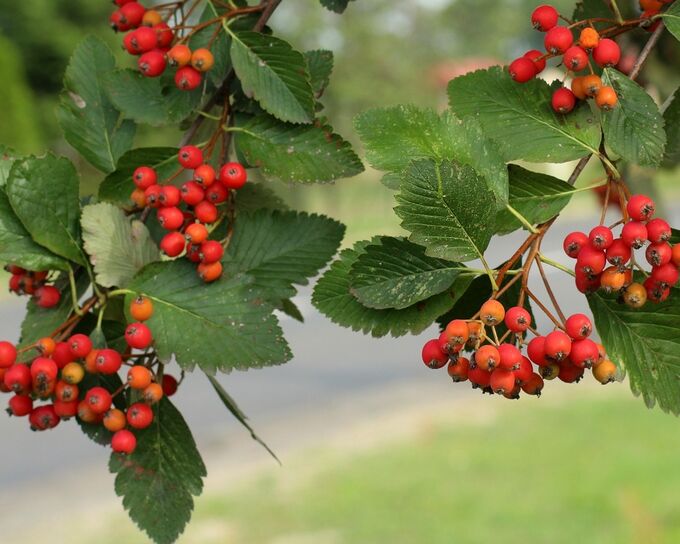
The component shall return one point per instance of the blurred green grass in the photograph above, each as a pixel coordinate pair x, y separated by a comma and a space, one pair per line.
595, 467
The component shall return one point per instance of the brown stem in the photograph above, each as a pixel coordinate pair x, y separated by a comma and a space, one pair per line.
646, 51
551, 294
545, 310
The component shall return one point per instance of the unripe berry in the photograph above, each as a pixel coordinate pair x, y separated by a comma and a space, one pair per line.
676, 255
640, 208
141, 309
563, 100
575, 58
170, 384
8, 354
20, 405
114, 420
47, 296
210, 272
139, 198
433, 356
550, 372
43, 418
544, 18
153, 393
517, 319
139, 416
202, 59
658, 230
634, 234
151, 18
557, 345
605, 372
46, 346
458, 369
607, 53
85, 413
205, 175
98, 399
206, 212
457, 332
522, 70
187, 78
606, 98
73, 373
179, 56
170, 218
192, 193
619, 253
534, 385
502, 381
589, 38
510, 357
196, 233
612, 279
538, 58
80, 345
233, 175
123, 442
635, 295
476, 334
558, 40
601, 237
578, 88
108, 361
139, 377
479, 377
536, 351
487, 357
574, 242
152, 63
138, 336
492, 312
592, 84
578, 326
659, 253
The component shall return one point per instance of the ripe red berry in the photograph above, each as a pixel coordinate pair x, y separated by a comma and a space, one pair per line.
433, 355
591, 261
152, 63
524, 371
205, 175
517, 319
640, 208
8, 354
141, 40
108, 361
164, 34
132, 13
170, 196
233, 175
206, 212
211, 251
558, 40
192, 193
170, 385
479, 377
578, 326
80, 345
144, 177
510, 357
118, 22
170, 218
66, 391
173, 244
544, 18
656, 292
43, 418
522, 69
502, 381
666, 275
18, 378
570, 373
557, 345
66, 409
20, 405
124, 442
601, 237
574, 242
43, 371
138, 336
217, 193
607, 53
584, 353
15, 283
139, 415
563, 100
536, 351
658, 230
659, 253
62, 354
619, 253
98, 399
575, 58
587, 283
153, 195
534, 385
634, 234
538, 58
190, 157
187, 78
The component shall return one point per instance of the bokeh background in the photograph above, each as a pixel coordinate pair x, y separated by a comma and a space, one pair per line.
375, 448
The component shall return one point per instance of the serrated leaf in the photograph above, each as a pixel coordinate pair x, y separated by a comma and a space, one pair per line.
590, 9
257, 196
634, 128
236, 326
118, 246
538, 197
150, 100
281, 249
297, 153
520, 118
646, 342
275, 75
672, 122
44, 194
158, 482
447, 208
395, 136
90, 122
320, 67
338, 6
671, 18
396, 273
118, 186
17, 246
332, 298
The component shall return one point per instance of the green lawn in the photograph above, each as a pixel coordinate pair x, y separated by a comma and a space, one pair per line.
589, 469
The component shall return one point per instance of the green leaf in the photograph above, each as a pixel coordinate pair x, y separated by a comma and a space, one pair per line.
395, 136
646, 342
44, 193
280, 249
17, 246
333, 298
236, 327
297, 153
288, 307
150, 100
396, 273
672, 19
257, 196
118, 186
7, 158
590, 9
447, 208
338, 6
320, 67
520, 117
90, 122
634, 128
274, 74
158, 482
231, 405
118, 247
538, 197
672, 121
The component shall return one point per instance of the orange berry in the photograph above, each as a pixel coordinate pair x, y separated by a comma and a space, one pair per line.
114, 420
635, 295
606, 98
605, 372
676, 255
152, 18
153, 393
46, 346
487, 357
612, 279
457, 332
139, 377
589, 38
492, 312
475, 333
210, 272
578, 89
592, 84
91, 362
141, 309
73, 373
179, 56
138, 196
202, 60
651, 5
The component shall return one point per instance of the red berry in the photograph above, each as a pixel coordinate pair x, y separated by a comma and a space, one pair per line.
142, 40
173, 244
640, 208
544, 18
152, 63
563, 100
607, 53
192, 193
153, 195
66, 409
43, 370
587, 283
433, 355
139, 415
538, 58
8, 354
43, 418
118, 22
656, 292
211, 251
536, 351
217, 193
502, 381
98, 399
575, 58
534, 385
558, 40
187, 78
666, 275
123, 441
619, 253
659, 253
194, 253
164, 34
169, 384
579, 326
524, 372
190, 157
170, 218
205, 175
522, 69
196, 233
108, 361
557, 345
517, 319
62, 354
80, 345
144, 177
479, 377
20, 405
132, 14
15, 283
574, 242
206, 212
138, 336
591, 261
18, 378
634, 234
170, 196
233, 175
570, 373
658, 230
601, 237
510, 357
584, 353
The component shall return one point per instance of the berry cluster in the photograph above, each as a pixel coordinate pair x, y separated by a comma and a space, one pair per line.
57, 377
606, 262
559, 42
35, 284
151, 39
189, 228
500, 367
